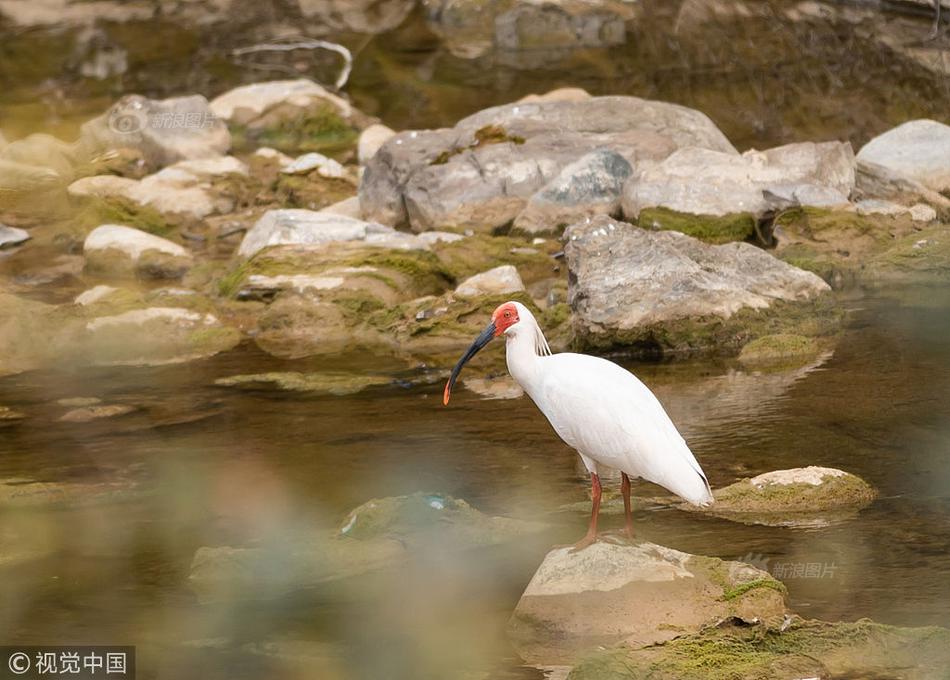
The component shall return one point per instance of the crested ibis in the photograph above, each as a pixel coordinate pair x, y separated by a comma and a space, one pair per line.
599, 409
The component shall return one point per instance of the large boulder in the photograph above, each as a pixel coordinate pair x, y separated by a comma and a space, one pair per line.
707, 182
918, 149
667, 292
165, 131
639, 594
481, 174
116, 250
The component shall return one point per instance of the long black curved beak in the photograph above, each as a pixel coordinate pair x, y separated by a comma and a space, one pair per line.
483, 339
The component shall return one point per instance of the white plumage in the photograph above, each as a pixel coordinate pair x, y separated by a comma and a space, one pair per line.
598, 408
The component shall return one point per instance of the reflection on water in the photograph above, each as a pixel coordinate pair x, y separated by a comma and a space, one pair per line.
105, 554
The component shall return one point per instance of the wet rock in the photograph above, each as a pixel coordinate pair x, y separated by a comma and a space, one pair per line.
799, 649
337, 384
480, 174
381, 533
22, 321
664, 291
8, 415
371, 139
781, 349
920, 257
185, 190
116, 250
472, 29
325, 167
708, 182
809, 496
877, 181
499, 387
308, 227
89, 413
591, 185
11, 236
639, 594
289, 115
165, 131
918, 149
22, 493
497, 281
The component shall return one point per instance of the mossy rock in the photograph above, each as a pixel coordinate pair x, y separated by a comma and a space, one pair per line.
480, 252
311, 191
92, 211
318, 127
919, 258
780, 350
709, 228
807, 497
803, 648
337, 384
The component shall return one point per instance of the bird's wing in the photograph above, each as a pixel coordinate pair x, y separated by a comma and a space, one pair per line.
606, 413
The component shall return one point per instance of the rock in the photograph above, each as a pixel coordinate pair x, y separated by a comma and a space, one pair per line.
8, 415
357, 16
473, 28
921, 257
289, 115
337, 384
497, 281
591, 185
94, 294
639, 594
877, 181
78, 402
800, 649
921, 212
325, 167
348, 207
371, 139
165, 131
23, 493
480, 174
500, 387
560, 94
709, 228
185, 190
307, 227
381, 533
810, 496
708, 182
90, 413
116, 250
779, 350
11, 236
664, 291
918, 149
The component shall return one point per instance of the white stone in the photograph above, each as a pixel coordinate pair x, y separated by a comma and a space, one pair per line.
247, 102
326, 167
12, 236
371, 139
497, 281
921, 212
812, 474
93, 295
918, 149
137, 317
132, 242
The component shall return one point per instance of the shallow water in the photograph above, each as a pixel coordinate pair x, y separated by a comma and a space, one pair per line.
262, 467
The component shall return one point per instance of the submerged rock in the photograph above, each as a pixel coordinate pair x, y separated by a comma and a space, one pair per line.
918, 149
337, 384
810, 496
8, 415
799, 649
481, 174
87, 414
381, 533
708, 182
664, 291
780, 349
165, 131
116, 250
639, 594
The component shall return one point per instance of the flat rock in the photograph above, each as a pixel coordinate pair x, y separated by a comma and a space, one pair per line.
337, 384
12, 236
917, 149
497, 281
708, 182
165, 131
309, 227
630, 286
639, 594
591, 185
480, 174
87, 414
116, 250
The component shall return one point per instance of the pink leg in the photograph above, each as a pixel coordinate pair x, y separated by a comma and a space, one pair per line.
591, 536
627, 512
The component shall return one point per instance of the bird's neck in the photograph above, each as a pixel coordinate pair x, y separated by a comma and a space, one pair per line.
523, 360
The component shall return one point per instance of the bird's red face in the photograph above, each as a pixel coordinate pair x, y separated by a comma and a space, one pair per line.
504, 318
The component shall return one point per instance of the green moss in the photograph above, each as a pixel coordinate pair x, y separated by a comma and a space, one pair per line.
478, 253
834, 492
743, 588
214, 340
311, 191
94, 211
781, 348
708, 228
318, 128
489, 134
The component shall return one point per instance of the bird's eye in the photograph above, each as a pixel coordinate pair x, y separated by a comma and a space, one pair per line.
507, 315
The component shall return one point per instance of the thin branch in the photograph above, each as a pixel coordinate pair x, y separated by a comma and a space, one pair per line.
306, 45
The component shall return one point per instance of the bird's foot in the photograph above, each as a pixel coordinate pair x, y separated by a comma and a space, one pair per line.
618, 537
585, 542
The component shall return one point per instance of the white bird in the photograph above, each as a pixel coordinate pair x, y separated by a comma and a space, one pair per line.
599, 409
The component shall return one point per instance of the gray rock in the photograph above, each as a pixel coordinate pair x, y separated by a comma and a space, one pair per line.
497, 281
12, 236
591, 185
639, 594
357, 16
480, 174
877, 181
308, 227
115, 250
706, 182
165, 131
918, 150
630, 286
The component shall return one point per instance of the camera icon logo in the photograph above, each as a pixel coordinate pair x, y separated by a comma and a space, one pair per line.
127, 118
